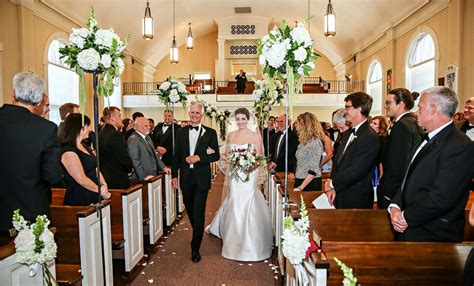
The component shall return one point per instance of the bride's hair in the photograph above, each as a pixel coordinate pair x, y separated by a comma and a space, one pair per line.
242, 110
309, 128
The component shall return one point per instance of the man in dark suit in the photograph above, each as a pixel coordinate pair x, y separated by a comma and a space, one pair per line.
115, 163
29, 153
404, 135
429, 206
277, 157
145, 162
350, 185
467, 125
163, 140
196, 147
268, 132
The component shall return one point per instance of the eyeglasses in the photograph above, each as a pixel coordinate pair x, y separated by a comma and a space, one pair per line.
388, 102
468, 107
348, 106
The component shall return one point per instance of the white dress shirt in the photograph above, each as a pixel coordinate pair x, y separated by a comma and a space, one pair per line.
193, 138
470, 132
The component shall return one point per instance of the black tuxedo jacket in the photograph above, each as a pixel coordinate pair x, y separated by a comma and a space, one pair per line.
463, 125
405, 135
115, 163
267, 137
29, 163
165, 140
279, 158
353, 170
207, 138
435, 192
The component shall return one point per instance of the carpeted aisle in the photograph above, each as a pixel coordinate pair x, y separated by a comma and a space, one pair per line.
172, 265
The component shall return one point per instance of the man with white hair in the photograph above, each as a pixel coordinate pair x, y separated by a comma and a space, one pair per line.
30, 154
429, 206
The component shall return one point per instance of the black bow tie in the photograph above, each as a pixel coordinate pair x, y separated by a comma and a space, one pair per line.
166, 124
426, 137
194, 127
469, 127
353, 130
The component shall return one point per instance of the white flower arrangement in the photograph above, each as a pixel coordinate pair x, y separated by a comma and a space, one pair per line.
172, 91
220, 116
97, 51
242, 161
34, 243
295, 238
265, 96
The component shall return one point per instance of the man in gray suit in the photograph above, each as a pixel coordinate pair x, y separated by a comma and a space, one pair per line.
140, 148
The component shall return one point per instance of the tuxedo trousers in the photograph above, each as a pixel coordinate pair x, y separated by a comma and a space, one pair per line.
195, 203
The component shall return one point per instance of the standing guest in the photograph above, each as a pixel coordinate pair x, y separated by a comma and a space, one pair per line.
458, 117
65, 110
277, 157
115, 163
196, 148
130, 131
184, 123
29, 153
309, 153
127, 125
405, 135
43, 108
328, 153
380, 126
151, 123
268, 132
429, 205
145, 162
163, 139
350, 185
342, 127
467, 125
101, 124
241, 79
79, 164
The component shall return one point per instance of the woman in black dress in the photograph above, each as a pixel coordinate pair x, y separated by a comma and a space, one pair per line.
241, 79
79, 164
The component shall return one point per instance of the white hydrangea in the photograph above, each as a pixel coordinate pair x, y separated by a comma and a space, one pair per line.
276, 55
105, 61
300, 70
301, 35
311, 65
300, 54
50, 248
295, 246
104, 38
165, 85
174, 96
88, 59
262, 60
121, 65
181, 88
78, 37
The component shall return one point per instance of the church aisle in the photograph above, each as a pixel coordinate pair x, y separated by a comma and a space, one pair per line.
172, 265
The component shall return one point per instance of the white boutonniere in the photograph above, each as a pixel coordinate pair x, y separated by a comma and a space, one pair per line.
203, 131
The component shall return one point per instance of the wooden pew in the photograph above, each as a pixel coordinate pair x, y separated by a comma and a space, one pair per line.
78, 240
169, 193
153, 209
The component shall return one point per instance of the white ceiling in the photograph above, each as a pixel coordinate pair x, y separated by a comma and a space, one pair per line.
359, 22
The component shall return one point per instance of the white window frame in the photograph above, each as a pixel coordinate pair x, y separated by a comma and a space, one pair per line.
411, 67
377, 98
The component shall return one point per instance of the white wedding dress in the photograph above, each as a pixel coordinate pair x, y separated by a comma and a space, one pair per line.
243, 222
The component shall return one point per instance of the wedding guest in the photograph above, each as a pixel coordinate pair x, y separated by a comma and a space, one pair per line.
65, 110
43, 108
341, 126
327, 155
163, 140
467, 125
268, 132
184, 123
29, 153
127, 125
130, 131
79, 164
241, 79
277, 156
468, 279
309, 153
380, 126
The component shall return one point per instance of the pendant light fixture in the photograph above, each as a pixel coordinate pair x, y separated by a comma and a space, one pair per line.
174, 57
189, 39
330, 21
147, 23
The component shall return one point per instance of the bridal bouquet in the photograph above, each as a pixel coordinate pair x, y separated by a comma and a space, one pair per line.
172, 91
244, 161
34, 244
265, 97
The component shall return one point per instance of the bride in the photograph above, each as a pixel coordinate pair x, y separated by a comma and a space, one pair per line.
243, 221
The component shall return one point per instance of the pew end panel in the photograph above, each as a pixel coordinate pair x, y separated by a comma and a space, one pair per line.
155, 208
16, 274
170, 201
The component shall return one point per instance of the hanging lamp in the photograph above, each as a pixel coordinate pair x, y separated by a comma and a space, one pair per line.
147, 23
330, 21
189, 39
174, 53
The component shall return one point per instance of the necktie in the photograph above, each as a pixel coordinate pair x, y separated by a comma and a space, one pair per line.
194, 127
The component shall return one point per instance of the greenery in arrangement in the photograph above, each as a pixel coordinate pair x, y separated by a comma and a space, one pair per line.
349, 278
265, 98
172, 91
286, 53
95, 50
35, 245
220, 116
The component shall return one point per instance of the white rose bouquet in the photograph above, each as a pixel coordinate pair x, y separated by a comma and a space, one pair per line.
265, 97
98, 51
287, 53
35, 244
172, 91
242, 161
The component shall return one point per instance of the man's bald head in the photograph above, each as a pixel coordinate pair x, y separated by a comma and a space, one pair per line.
142, 125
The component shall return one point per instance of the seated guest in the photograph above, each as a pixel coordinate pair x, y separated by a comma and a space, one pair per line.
29, 153
79, 164
146, 163
65, 110
429, 206
42, 109
115, 163
309, 152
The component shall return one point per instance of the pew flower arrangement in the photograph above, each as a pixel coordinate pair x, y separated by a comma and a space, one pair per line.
35, 244
265, 97
220, 116
349, 278
172, 91
287, 54
95, 50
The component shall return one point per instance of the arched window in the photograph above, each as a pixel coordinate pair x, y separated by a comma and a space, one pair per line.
63, 83
374, 86
420, 65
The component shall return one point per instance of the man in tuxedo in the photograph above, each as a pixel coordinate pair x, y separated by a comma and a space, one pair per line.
142, 152
115, 163
404, 135
429, 206
196, 147
29, 153
151, 124
163, 140
268, 132
467, 125
350, 185
277, 157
